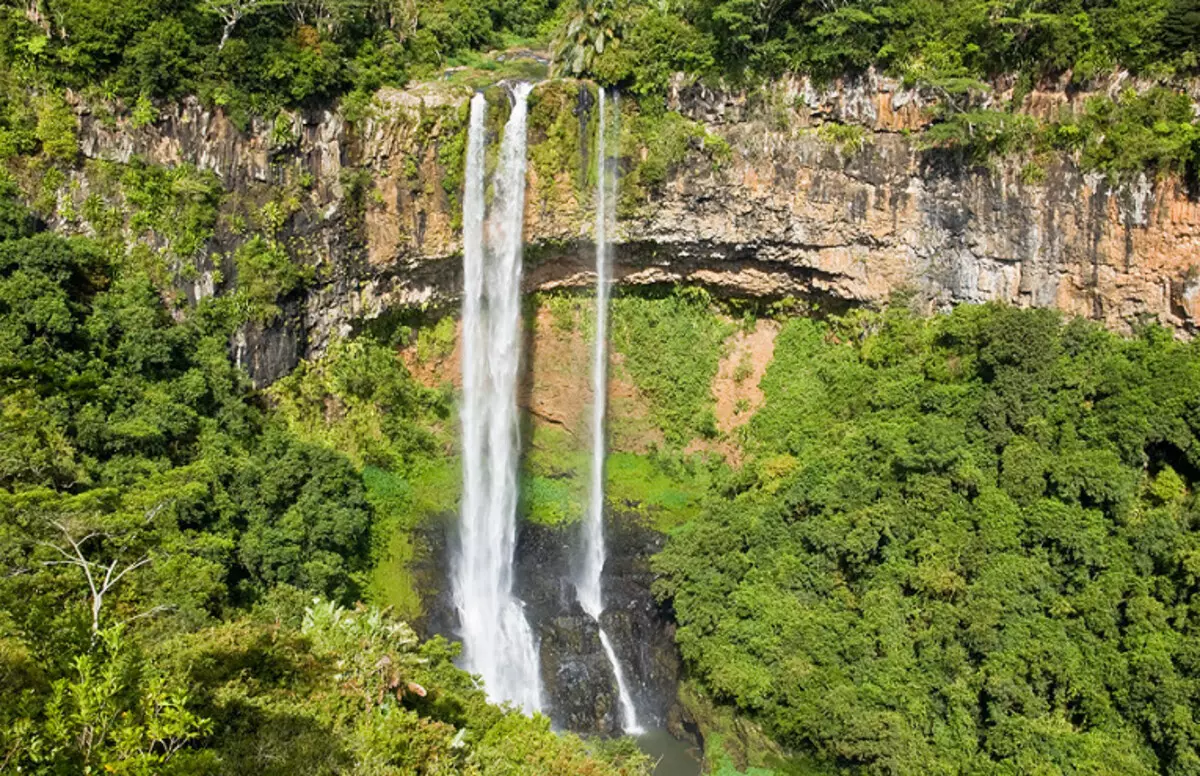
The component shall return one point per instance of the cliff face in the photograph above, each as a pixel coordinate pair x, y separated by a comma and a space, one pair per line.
781, 211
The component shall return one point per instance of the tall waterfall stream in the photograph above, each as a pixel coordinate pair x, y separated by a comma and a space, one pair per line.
498, 643
588, 586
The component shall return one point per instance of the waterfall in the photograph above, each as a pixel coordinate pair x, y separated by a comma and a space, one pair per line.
588, 587
498, 643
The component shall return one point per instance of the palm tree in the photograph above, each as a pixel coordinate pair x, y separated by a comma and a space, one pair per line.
595, 26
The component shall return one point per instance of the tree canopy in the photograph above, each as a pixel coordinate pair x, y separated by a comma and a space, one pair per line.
178, 558
255, 56
966, 545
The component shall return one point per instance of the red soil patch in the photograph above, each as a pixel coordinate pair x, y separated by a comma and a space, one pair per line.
556, 385
736, 388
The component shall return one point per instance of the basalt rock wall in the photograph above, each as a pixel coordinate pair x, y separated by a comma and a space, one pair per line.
759, 204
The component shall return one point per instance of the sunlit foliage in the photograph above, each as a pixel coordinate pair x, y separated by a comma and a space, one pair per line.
966, 545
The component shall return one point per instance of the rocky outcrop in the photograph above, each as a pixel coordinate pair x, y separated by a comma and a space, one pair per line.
784, 212
579, 691
577, 681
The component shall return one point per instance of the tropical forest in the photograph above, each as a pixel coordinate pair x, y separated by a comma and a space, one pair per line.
600, 387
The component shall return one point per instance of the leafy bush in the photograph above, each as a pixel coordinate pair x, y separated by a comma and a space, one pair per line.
1156, 132
982, 135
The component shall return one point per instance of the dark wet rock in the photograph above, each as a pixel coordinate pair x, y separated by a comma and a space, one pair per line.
576, 676
578, 685
269, 351
642, 631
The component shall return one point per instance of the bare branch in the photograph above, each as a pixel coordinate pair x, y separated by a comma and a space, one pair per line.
101, 578
150, 613
232, 12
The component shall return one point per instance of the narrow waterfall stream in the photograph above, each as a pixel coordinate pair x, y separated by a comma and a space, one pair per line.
498, 643
588, 587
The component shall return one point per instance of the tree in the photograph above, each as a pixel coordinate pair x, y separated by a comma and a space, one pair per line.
113, 716
594, 27
233, 11
100, 576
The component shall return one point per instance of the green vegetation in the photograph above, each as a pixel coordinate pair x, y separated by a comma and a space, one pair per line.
963, 545
257, 56
360, 401
555, 133
667, 489
849, 138
1153, 132
663, 488
672, 347
658, 141
175, 556
251, 57
942, 44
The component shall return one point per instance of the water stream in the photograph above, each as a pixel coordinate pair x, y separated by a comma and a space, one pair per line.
498, 643
671, 756
588, 586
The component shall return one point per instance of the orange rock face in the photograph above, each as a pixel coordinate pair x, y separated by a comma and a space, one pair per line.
785, 214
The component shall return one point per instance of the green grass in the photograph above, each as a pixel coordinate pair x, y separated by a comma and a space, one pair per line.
549, 501
669, 495
478, 70
401, 505
554, 477
666, 490
672, 347
436, 486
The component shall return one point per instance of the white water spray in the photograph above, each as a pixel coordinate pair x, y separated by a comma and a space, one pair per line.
497, 641
588, 587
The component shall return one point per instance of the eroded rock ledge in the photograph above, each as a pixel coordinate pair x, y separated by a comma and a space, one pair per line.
784, 213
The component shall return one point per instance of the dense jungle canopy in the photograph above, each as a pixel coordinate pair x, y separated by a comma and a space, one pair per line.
955, 543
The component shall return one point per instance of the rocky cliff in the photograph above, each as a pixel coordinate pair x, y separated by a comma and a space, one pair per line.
745, 193
746, 196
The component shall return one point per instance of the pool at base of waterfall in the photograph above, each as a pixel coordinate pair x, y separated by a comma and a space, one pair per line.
674, 757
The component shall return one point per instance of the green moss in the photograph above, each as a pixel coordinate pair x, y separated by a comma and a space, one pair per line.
450, 131
391, 581
555, 131
568, 311
657, 142
551, 501
554, 477
737, 746
668, 492
436, 484
673, 345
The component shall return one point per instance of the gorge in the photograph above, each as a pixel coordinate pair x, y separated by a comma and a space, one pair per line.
549, 387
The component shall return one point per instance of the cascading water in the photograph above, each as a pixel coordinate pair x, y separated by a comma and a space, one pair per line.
588, 587
497, 641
